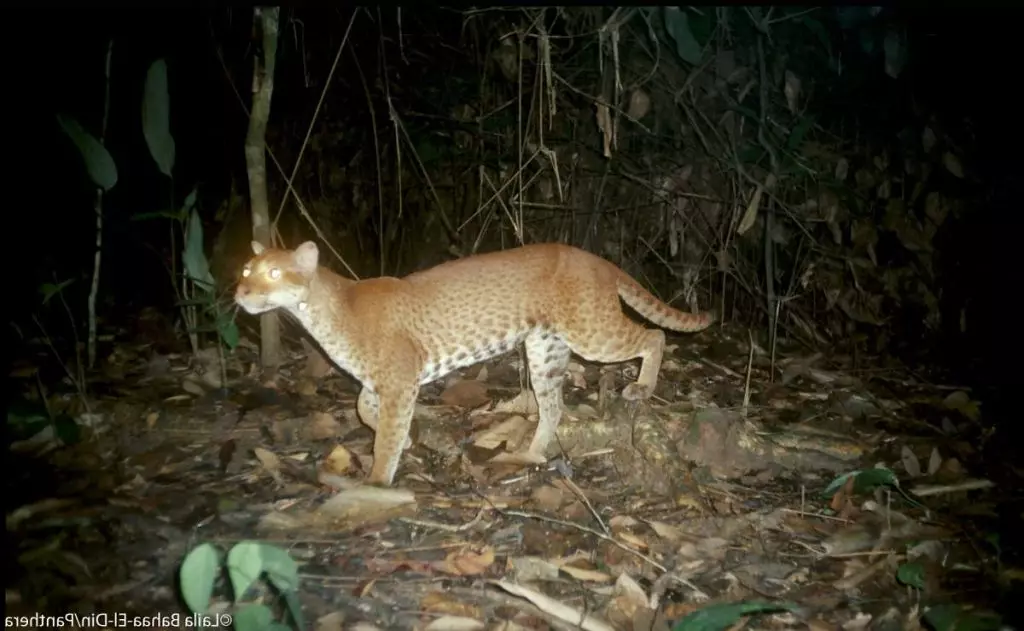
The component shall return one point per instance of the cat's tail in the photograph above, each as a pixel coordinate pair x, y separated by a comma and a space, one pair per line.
647, 304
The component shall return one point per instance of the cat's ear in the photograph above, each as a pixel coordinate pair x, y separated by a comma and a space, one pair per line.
257, 248
306, 256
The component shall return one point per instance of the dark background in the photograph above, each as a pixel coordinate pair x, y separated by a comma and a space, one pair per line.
964, 67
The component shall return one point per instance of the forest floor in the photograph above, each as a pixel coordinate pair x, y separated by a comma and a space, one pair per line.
830, 496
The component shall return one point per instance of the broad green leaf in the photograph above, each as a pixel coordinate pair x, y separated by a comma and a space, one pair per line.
196, 266
291, 599
228, 330
282, 570
911, 574
156, 117
677, 23
197, 576
245, 564
158, 214
98, 163
796, 137
953, 617
67, 430
724, 615
253, 617
49, 290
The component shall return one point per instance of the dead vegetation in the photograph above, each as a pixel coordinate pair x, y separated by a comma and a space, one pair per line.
790, 469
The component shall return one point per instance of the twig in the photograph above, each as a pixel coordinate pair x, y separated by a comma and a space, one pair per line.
599, 535
98, 207
447, 527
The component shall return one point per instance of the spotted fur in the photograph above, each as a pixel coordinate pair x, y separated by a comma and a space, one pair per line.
396, 334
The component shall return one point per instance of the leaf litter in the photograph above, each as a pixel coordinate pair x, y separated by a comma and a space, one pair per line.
694, 511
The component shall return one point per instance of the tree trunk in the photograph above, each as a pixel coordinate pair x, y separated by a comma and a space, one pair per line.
256, 163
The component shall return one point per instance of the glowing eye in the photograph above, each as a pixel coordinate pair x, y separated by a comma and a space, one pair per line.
274, 273
246, 272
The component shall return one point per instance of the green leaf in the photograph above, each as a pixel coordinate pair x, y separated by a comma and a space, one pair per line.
911, 574
291, 599
245, 564
197, 576
156, 117
66, 429
98, 163
49, 290
724, 615
796, 137
196, 266
281, 568
677, 23
953, 617
159, 214
26, 418
254, 617
228, 330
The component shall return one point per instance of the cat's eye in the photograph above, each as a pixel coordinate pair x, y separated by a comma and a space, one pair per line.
246, 272
274, 273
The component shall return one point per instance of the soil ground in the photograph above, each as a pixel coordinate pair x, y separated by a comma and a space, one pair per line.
719, 490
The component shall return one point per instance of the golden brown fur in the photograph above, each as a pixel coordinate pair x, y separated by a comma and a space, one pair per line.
395, 334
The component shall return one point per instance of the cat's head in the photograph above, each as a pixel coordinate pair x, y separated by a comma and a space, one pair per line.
276, 278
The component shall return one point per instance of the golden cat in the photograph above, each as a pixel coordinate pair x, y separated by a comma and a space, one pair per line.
396, 334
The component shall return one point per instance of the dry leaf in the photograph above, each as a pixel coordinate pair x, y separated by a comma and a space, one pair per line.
910, 462
468, 562
585, 574
441, 603
526, 569
666, 531
465, 393
952, 164
321, 426
271, 463
570, 615
368, 504
338, 462
330, 622
792, 92
623, 521
455, 623
928, 139
750, 216
934, 461
191, 387
512, 431
632, 540
639, 104
548, 498
627, 601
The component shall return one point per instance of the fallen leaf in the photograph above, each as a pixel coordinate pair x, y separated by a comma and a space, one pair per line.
512, 431
632, 540
570, 615
454, 623
628, 600
442, 603
468, 561
585, 574
271, 463
321, 426
338, 462
330, 622
465, 393
368, 504
531, 568
548, 498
